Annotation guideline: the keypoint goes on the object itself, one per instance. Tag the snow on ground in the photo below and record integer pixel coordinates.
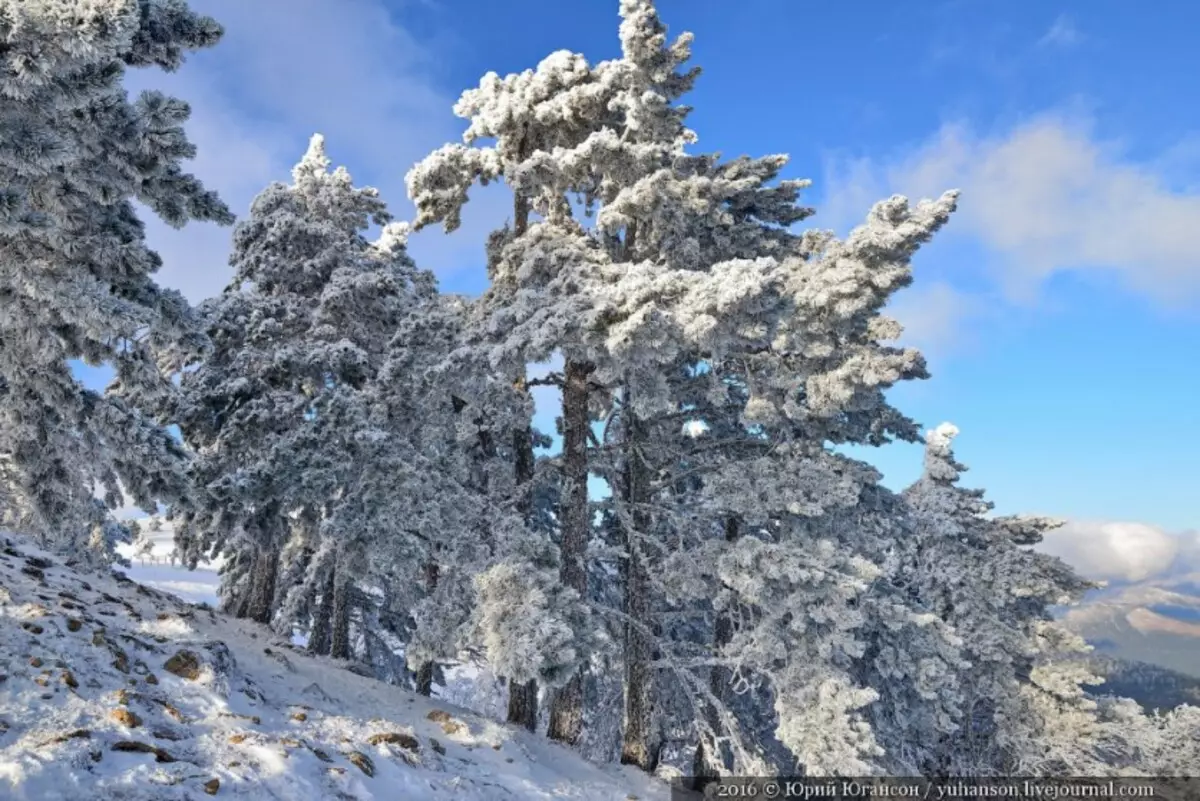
(110, 689)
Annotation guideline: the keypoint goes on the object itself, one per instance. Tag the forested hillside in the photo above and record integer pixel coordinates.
(357, 448)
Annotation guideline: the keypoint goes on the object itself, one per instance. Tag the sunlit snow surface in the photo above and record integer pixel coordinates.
(262, 718)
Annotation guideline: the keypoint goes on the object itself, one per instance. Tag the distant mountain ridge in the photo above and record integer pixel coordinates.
(1154, 623)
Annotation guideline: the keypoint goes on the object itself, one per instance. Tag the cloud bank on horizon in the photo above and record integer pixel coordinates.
(1124, 552)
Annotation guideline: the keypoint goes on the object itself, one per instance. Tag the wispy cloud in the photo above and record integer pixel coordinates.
(287, 69)
(1062, 33)
(935, 316)
(1045, 198)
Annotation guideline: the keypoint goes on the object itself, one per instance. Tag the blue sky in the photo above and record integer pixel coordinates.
(1060, 311)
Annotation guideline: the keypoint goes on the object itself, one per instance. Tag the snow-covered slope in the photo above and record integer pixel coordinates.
(112, 690)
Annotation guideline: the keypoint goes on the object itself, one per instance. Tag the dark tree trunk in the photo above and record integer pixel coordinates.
(238, 603)
(320, 641)
(566, 711)
(707, 762)
(523, 703)
(523, 698)
(339, 646)
(639, 745)
(424, 680)
(425, 671)
(262, 586)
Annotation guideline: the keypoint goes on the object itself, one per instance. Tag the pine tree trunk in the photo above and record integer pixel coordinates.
(566, 711)
(638, 745)
(238, 603)
(425, 672)
(262, 586)
(523, 703)
(523, 697)
(706, 764)
(339, 646)
(320, 640)
(424, 680)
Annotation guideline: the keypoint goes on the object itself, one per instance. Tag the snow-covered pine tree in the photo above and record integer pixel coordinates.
(533, 111)
(1024, 708)
(561, 286)
(75, 272)
(663, 211)
(281, 412)
(792, 501)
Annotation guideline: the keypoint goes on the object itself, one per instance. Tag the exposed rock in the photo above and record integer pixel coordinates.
(321, 755)
(151, 678)
(32, 628)
(299, 716)
(35, 662)
(395, 738)
(437, 746)
(185, 664)
(438, 716)
(172, 711)
(212, 786)
(77, 734)
(68, 679)
(361, 761)
(125, 717)
(134, 746)
(73, 624)
(238, 739)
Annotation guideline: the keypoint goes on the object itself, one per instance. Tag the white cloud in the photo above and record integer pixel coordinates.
(935, 315)
(1045, 198)
(1062, 33)
(1123, 551)
(287, 69)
